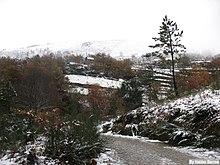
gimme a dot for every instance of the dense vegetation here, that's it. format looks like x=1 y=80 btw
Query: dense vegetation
x=34 y=102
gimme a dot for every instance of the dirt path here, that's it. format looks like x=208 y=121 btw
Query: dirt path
x=139 y=152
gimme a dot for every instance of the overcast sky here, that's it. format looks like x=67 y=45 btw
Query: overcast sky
x=28 y=22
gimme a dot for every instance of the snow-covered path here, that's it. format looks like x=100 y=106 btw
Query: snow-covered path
x=139 y=152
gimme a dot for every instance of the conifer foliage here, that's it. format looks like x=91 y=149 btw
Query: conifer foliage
x=131 y=92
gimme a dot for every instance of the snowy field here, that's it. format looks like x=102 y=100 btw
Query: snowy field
x=88 y=80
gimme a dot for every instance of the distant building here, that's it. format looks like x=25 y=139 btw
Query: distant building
x=201 y=63
x=89 y=61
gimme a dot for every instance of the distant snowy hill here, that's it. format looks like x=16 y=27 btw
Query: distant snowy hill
x=115 y=48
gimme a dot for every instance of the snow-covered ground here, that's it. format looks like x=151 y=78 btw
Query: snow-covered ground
x=110 y=157
x=88 y=80
x=206 y=97
x=21 y=158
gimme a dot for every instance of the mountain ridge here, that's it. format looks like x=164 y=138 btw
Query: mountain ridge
x=114 y=48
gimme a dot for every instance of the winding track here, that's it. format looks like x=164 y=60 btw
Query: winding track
x=138 y=152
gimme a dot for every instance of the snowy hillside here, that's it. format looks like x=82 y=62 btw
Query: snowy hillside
x=189 y=121
x=115 y=48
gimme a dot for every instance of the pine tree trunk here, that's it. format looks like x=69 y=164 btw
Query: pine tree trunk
x=173 y=73
x=173 y=66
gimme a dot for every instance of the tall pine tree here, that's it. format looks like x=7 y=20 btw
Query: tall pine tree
x=168 y=43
